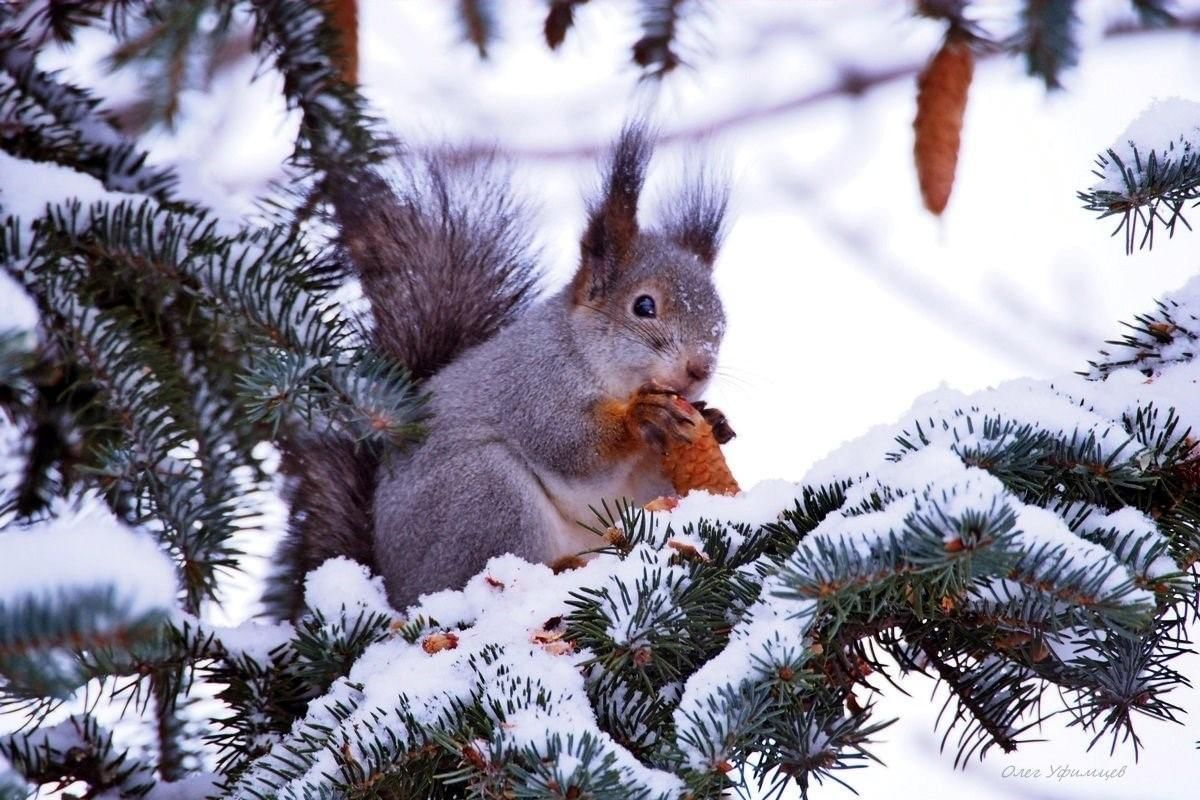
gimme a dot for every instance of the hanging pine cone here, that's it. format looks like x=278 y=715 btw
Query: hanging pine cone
x=941 y=101
x=343 y=16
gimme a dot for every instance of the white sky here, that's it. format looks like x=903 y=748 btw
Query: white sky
x=845 y=299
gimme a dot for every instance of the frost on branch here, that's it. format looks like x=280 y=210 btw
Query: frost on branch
x=1151 y=173
x=1035 y=535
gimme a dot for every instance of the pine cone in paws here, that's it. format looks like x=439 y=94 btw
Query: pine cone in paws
x=699 y=464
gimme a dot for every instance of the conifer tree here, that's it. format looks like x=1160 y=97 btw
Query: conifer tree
x=1043 y=535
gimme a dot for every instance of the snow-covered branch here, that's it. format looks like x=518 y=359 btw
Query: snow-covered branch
x=79 y=581
x=49 y=120
x=1002 y=541
x=1151 y=173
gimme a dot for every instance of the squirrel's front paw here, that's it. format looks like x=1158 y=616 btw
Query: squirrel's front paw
x=722 y=431
x=663 y=416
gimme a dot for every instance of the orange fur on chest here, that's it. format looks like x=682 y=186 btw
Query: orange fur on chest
x=619 y=437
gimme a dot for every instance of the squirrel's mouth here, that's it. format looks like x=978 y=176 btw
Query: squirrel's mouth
x=690 y=391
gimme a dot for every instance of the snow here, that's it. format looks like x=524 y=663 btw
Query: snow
x=55 y=184
x=252 y=639
x=756 y=506
x=503 y=607
x=1168 y=127
x=1040 y=527
x=84 y=547
x=340 y=585
x=20 y=313
x=635 y=602
x=1136 y=540
x=195 y=786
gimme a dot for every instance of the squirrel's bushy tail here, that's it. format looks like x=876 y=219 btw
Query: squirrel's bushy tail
x=444 y=257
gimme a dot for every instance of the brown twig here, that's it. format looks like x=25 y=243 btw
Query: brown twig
x=852 y=82
x=343 y=16
x=953 y=678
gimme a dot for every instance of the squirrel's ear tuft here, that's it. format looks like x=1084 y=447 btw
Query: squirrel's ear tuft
x=694 y=217
x=612 y=217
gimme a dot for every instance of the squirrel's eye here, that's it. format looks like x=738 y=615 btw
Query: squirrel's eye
x=644 y=306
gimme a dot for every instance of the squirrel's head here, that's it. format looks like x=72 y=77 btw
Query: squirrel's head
x=645 y=309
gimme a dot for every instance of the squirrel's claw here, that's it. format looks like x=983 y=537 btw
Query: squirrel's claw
x=715 y=417
x=722 y=430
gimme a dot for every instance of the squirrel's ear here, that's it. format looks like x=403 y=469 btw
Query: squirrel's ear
x=612 y=217
x=694 y=218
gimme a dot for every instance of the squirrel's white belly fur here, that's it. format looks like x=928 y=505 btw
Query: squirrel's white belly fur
x=569 y=503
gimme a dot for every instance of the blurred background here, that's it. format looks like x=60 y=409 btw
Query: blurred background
x=846 y=299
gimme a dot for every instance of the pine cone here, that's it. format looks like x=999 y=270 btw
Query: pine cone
x=941 y=103
x=698 y=464
x=437 y=642
x=343 y=17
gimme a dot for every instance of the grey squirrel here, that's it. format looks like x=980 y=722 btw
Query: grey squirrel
x=538 y=410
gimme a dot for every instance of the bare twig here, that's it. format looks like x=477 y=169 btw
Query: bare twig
x=851 y=82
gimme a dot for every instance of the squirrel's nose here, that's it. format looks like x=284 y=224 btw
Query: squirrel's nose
x=699 y=370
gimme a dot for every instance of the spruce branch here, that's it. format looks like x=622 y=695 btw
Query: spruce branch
x=16 y=361
x=1146 y=188
x=1167 y=335
x=177 y=45
x=40 y=21
x=1048 y=39
x=77 y=750
x=45 y=119
x=1114 y=679
x=266 y=695
x=297 y=360
x=813 y=745
x=991 y=698
x=337 y=135
x=143 y=392
x=40 y=633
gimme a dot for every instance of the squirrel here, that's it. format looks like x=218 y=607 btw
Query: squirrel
x=538 y=410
